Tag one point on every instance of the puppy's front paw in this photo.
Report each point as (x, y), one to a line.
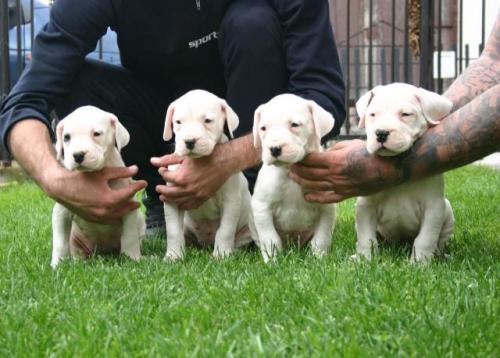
(421, 256)
(133, 256)
(268, 256)
(133, 252)
(319, 252)
(55, 261)
(360, 257)
(173, 256)
(365, 251)
(270, 250)
(222, 252)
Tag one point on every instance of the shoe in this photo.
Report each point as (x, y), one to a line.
(155, 217)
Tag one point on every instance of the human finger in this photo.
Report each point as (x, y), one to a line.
(120, 172)
(180, 202)
(311, 173)
(124, 210)
(166, 160)
(171, 176)
(127, 193)
(325, 197)
(315, 159)
(171, 192)
(346, 143)
(311, 185)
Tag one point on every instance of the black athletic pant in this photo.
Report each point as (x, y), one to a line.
(248, 70)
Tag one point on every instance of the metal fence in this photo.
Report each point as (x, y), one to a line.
(379, 41)
(414, 41)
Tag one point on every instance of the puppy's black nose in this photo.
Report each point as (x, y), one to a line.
(381, 135)
(275, 151)
(190, 143)
(79, 157)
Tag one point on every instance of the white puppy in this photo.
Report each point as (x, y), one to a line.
(395, 116)
(198, 119)
(90, 139)
(287, 128)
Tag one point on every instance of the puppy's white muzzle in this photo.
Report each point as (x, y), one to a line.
(388, 139)
(194, 147)
(277, 151)
(84, 160)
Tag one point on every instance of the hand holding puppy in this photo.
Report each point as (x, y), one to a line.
(195, 180)
(89, 196)
(344, 171)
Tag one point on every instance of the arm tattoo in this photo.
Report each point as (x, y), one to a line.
(466, 135)
(371, 173)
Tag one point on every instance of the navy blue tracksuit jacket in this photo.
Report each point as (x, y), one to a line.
(244, 50)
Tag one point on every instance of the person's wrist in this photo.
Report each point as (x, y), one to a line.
(393, 172)
(224, 159)
(50, 180)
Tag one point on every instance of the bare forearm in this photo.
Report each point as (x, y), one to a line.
(238, 154)
(466, 135)
(30, 144)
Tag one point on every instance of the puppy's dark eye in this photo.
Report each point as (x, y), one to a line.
(372, 114)
(178, 121)
(67, 137)
(294, 125)
(97, 134)
(263, 128)
(405, 114)
(208, 120)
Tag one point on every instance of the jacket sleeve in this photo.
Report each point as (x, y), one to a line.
(311, 55)
(58, 53)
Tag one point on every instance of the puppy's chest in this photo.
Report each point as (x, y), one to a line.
(210, 210)
(201, 224)
(399, 214)
(293, 214)
(90, 237)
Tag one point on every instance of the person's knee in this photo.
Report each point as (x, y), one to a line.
(251, 27)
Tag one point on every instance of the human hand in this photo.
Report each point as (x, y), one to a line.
(194, 181)
(344, 171)
(88, 194)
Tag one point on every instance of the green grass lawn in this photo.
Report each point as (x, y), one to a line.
(299, 306)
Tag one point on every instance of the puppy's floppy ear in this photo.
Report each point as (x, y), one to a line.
(59, 140)
(232, 119)
(362, 105)
(256, 124)
(122, 137)
(434, 106)
(167, 131)
(323, 120)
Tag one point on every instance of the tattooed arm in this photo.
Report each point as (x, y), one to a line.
(470, 133)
